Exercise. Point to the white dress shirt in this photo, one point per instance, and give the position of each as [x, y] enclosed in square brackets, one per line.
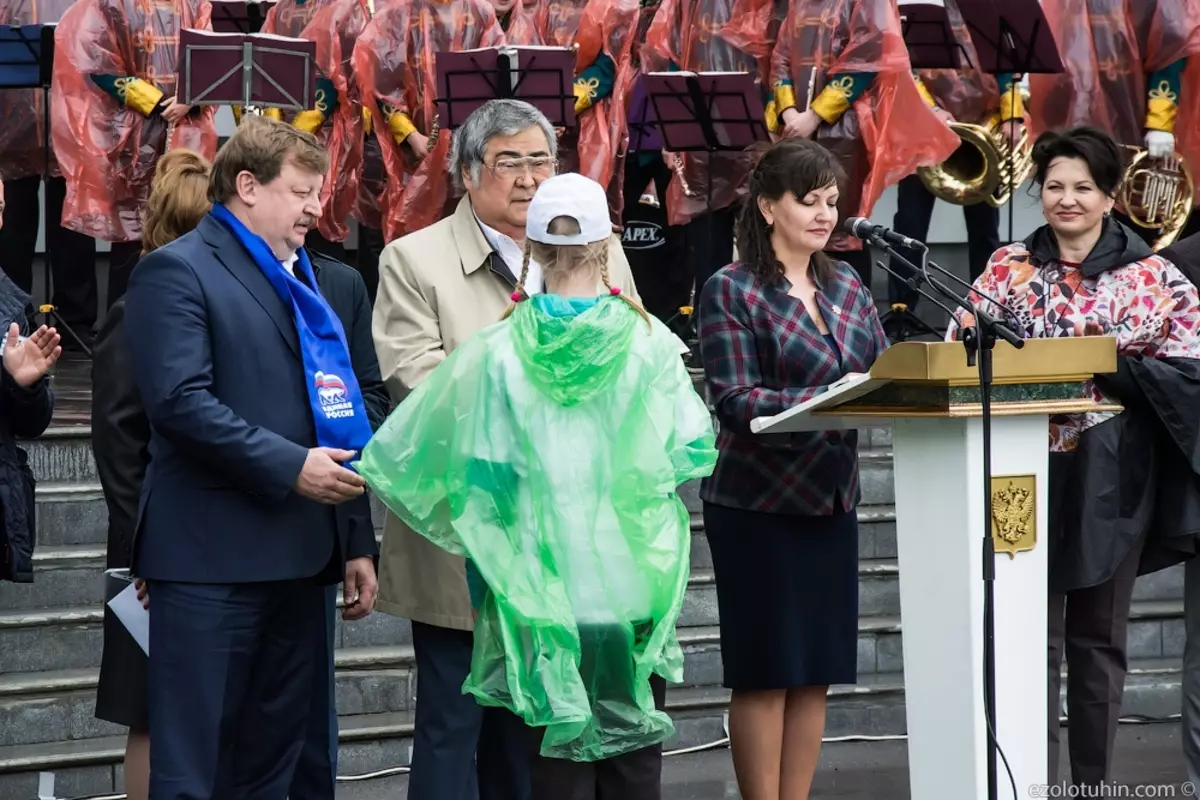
[513, 255]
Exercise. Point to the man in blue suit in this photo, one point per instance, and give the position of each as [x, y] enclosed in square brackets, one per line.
[249, 386]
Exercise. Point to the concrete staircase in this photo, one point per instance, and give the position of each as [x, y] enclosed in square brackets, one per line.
[50, 642]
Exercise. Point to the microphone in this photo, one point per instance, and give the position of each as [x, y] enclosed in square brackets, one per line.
[863, 228]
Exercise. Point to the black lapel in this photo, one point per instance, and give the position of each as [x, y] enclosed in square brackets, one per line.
[500, 267]
[233, 256]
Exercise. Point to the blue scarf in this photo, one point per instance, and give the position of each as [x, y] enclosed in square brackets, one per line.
[339, 413]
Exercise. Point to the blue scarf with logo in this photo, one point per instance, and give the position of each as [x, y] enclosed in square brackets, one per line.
[339, 413]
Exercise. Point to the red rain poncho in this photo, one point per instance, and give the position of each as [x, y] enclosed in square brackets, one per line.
[521, 27]
[890, 130]
[22, 134]
[684, 33]
[971, 95]
[594, 27]
[618, 24]
[334, 28]
[108, 152]
[395, 64]
[1108, 48]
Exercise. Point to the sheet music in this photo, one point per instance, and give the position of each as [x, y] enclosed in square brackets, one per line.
[843, 391]
[938, 3]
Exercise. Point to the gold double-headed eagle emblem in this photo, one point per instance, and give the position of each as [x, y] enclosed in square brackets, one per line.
[1014, 513]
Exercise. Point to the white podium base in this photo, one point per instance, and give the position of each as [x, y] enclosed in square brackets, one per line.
[940, 529]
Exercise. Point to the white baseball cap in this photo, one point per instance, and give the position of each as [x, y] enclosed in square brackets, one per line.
[569, 195]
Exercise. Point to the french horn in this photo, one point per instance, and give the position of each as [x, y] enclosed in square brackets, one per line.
[979, 170]
[1157, 194]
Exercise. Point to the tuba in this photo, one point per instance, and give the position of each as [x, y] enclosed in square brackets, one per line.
[1157, 194]
[978, 171]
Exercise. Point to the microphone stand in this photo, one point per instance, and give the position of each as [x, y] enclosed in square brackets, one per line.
[979, 343]
[913, 281]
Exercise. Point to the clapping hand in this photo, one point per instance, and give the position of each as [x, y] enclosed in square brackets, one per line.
[26, 362]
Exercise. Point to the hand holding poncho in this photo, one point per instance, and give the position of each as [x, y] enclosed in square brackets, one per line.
[548, 450]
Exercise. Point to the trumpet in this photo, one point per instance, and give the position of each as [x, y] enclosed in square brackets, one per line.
[982, 169]
[1157, 194]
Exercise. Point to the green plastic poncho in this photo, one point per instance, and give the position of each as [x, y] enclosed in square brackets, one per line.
[548, 449]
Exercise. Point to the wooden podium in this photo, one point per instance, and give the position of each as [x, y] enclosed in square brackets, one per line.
[932, 398]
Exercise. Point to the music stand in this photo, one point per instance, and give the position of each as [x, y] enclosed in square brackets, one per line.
[541, 76]
[1011, 36]
[705, 112]
[257, 69]
[27, 62]
[240, 16]
[929, 37]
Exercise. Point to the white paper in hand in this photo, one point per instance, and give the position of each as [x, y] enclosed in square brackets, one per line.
[133, 616]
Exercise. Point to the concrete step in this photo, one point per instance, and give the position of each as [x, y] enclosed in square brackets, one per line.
[71, 513]
[63, 455]
[70, 574]
[373, 742]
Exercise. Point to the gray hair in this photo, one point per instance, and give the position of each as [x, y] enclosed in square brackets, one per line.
[493, 118]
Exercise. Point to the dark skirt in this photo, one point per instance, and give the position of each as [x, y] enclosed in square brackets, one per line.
[787, 589]
[121, 696]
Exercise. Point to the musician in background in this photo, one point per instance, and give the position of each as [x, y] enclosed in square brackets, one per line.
[1129, 70]
[114, 107]
[849, 57]
[23, 160]
[686, 35]
[519, 20]
[291, 18]
[357, 179]
[394, 61]
[968, 96]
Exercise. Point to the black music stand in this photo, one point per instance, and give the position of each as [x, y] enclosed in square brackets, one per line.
[705, 112]
[257, 70]
[240, 16]
[544, 77]
[27, 62]
[929, 37]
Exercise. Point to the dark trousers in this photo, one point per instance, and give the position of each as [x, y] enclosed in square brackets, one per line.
[72, 255]
[1090, 627]
[632, 776]
[914, 209]
[316, 772]
[654, 249]
[370, 246]
[231, 684]
[122, 258]
[709, 239]
[461, 750]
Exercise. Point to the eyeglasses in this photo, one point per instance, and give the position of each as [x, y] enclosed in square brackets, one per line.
[512, 168]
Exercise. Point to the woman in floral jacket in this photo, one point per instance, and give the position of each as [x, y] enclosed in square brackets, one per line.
[1119, 481]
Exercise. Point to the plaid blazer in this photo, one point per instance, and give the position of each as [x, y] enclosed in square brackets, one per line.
[762, 355]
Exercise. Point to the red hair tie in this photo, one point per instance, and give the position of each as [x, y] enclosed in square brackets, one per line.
[516, 297]
[614, 290]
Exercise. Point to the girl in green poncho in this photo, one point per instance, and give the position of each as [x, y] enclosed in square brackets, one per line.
[548, 451]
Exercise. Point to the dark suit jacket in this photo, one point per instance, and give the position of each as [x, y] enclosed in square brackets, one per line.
[217, 363]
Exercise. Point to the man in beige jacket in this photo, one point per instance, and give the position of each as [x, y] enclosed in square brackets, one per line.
[437, 287]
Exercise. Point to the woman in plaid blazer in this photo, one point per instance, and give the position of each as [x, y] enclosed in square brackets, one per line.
[776, 329]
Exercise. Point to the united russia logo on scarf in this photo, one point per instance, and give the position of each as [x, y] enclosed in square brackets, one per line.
[335, 400]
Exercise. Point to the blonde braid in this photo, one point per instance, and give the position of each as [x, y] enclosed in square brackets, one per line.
[632, 303]
[519, 292]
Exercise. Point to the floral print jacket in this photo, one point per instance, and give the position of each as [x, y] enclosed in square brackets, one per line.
[1146, 303]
